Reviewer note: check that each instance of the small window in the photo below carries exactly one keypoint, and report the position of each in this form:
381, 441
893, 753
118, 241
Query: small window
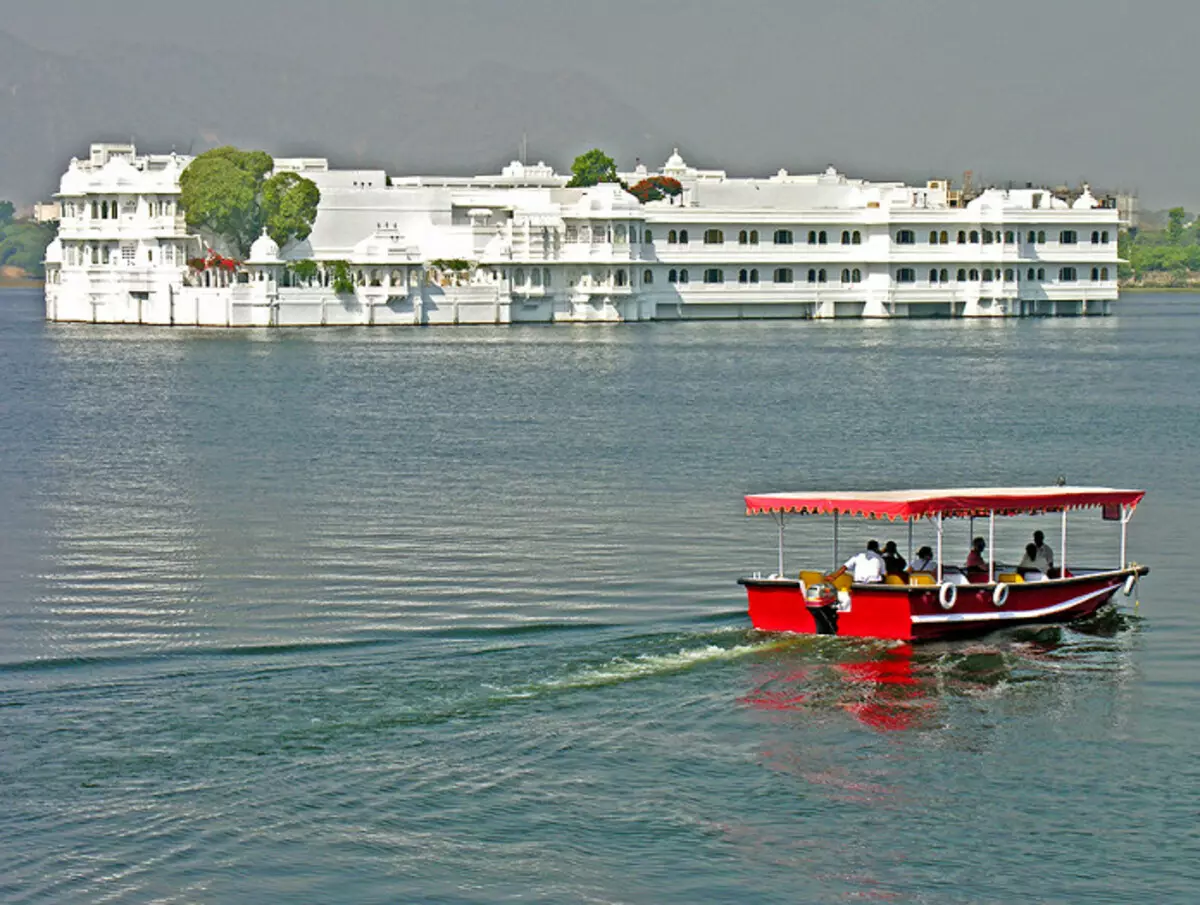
974, 237
944, 237
1031, 238
683, 275
1068, 237
1067, 274
856, 238
648, 237
944, 276
714, 237
962, 237
812, 275
713, 275
1009, 236
974, 275
988, 237
622, 280
519, 277
647, 277
845, 238
822, 238
812, 237
673, 276
743, 275
672, 238
933, 274
856, 275
1029, 274
906, 275
783, 237
1008, 274
743, 237
1104, 237
754, 275
846, 275
754, 237
1104, 273
683, 240
1041, 273
987, 274
784, 275
1095, 274
962, 275
821, 275
1041, 236
906, 237
933, 237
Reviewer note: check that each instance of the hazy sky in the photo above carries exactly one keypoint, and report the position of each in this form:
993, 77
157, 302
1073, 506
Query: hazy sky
1049, 90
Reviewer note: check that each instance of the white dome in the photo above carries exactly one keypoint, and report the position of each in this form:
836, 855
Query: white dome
675, 162
264, 250
54, 251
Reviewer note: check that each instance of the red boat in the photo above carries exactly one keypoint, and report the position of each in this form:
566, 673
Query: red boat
944, 601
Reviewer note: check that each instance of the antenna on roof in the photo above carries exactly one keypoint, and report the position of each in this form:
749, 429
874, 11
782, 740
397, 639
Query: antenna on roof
524, 146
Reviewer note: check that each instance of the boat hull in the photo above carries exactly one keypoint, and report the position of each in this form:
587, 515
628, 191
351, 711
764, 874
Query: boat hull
915, 612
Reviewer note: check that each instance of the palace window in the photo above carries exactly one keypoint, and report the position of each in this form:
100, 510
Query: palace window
784, 275
572, 234
743, 237
1104, 273
856, 238
783, 237
846, 275
683, 275
906, 275
1095, 274
714, 275
518, 277
1008, 275
647, 277
1029, 274
620, 235
1041, 236
743, 275
673, 276
647, 237
1067, 274
1009, 236
672, 237
812, 237
812, 275
906, 237
1104, 237
933, 276
944, 276
987, 274
128, 255
1068, 237
962, 237
714, 237
754, 237
988, 237
683, 237
1031, 238
944, 237
974, 237
1041, 273
933, 237
821, 275
962, 275
754, 275
845, 237
622, 279
546, 277
822, 238
856, 275
974, 275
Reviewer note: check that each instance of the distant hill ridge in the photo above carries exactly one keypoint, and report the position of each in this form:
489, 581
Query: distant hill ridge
53, 105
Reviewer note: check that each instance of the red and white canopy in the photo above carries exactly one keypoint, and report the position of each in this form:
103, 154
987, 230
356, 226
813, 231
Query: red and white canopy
955, 502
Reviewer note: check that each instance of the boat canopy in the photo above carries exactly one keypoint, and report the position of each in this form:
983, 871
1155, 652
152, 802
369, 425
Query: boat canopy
951, 502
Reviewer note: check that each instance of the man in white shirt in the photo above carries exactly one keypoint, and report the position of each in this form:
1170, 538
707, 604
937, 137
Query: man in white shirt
1045, 556
867, 567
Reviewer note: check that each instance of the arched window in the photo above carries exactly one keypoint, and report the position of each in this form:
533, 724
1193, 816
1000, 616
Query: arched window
812, 275
846, 275
1068, 237
988, 237
1041, 273
987, 274
962, 237
713, 275
962, 275
974, 275
95, 210
933, 276
648, 237
1104, 237
518, 276
845, 237
103, 210
1041, 237
812, 237
1029, 274
673, 276
1067, 274
1095, 274
1008, 274
743, 275
754, 275
856, 238
622, 279
714, 237
906, 275
822, 238
754, 237
933, 237
1095, 237
856, 275
783, 237
743, 237
784, 275
620, 234
821, 275
974, 237
1009, 236
683, 275
944, 276
683, 237
1104, 273
944, 237
906, 237
633, 236
647, 277
672, 237
1031, 238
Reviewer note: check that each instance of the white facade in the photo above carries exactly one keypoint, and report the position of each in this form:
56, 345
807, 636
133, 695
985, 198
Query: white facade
521, 247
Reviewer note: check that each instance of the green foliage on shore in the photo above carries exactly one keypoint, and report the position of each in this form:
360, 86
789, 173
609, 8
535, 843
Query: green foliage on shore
7, 211
592, 168
227, 193
23, 245
342, 281
1171, 253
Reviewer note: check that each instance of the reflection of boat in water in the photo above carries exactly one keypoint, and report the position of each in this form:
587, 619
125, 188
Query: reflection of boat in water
940, 603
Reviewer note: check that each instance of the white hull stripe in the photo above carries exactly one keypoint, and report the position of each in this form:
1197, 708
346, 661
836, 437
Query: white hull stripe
1013, 615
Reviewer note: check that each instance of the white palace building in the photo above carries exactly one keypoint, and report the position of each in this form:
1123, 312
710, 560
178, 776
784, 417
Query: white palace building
522, 247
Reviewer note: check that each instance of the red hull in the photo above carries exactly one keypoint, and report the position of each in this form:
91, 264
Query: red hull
913, 612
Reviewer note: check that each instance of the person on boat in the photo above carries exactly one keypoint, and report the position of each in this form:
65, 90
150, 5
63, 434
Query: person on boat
1030, 561
1045, 556
975, 563
893, 562
866, 567
924, 561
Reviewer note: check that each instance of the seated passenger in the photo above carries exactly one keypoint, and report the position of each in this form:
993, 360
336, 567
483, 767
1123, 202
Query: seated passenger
893, 562
976, 564
924, 561
1030, 562
867, 567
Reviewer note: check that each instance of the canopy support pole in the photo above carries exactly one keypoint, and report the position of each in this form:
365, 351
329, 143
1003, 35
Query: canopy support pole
1126, 514
910, 550
939, 549
835, 542
991, 545
780, 573
1062, 557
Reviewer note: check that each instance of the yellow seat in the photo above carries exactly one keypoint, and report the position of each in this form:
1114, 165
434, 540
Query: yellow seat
894, 579
1010, 578
922, 578
811, 577
843, 581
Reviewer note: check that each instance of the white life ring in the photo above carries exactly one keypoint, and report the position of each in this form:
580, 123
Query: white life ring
1130, 584
1000, 595
947, 595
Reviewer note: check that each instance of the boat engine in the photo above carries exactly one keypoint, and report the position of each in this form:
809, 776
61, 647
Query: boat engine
821, 600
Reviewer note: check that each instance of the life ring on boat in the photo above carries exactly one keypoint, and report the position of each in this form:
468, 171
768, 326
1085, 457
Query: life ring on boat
1000, 595
947, 595
1130, 584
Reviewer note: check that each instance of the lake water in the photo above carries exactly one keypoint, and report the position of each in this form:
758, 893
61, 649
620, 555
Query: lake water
450, 615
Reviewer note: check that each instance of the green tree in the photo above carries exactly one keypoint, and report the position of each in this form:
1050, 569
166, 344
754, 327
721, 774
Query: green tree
289, 206
593, 168
7, 210
226, 192
1175, 218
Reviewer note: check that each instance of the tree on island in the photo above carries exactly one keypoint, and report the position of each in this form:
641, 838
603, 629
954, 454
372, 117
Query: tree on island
655, 188
7, 212
591, 169
226, 192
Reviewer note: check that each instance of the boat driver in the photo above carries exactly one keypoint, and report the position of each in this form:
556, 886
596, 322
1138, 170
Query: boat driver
1045, 556
867, 567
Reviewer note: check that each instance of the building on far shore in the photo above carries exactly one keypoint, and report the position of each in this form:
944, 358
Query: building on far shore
520, 246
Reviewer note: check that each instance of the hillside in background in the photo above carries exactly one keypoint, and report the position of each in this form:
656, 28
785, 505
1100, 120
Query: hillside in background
52, 106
